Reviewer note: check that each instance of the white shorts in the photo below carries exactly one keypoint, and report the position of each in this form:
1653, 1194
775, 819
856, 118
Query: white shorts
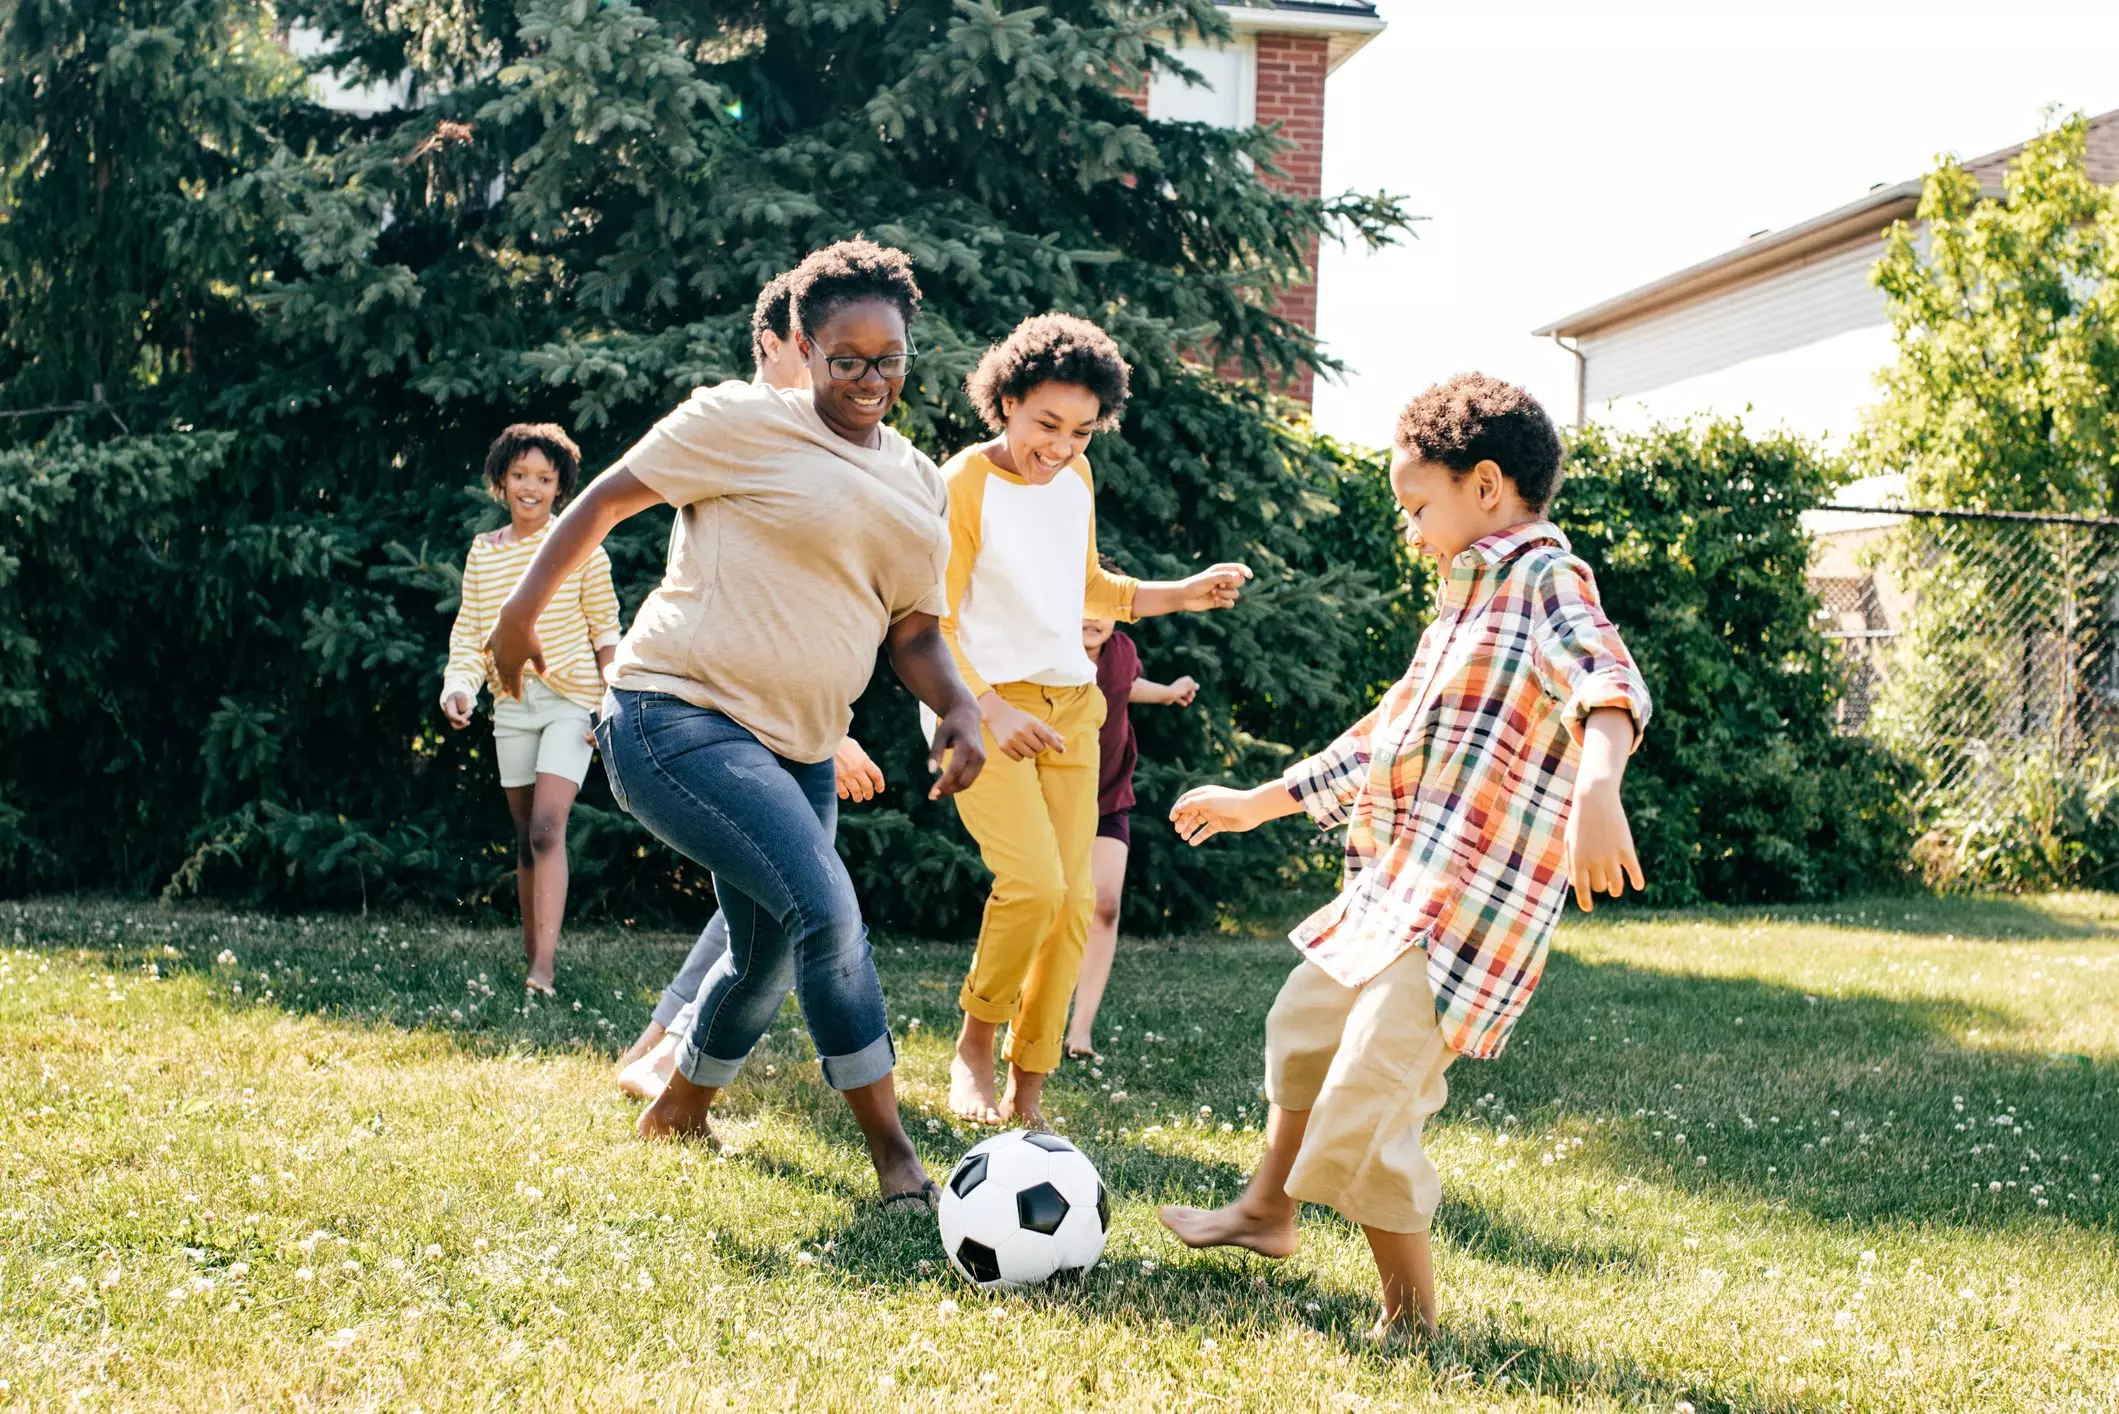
544, 734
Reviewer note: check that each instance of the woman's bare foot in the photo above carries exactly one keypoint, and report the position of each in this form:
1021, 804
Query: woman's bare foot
1020, 1103
1402, 1332
642, 1044
649, 1074
1268, 1232
539, 987
971, 1074
680, 1112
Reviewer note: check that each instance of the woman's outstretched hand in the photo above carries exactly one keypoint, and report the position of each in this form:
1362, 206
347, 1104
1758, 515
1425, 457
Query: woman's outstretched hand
512, 644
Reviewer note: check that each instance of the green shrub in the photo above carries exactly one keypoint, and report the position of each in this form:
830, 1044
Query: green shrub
2051, 823
1742, 790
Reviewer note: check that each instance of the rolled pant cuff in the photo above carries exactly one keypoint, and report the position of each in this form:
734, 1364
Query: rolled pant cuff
1042, 1058
979, 1009
667, 1009
700, 1068
864, 1067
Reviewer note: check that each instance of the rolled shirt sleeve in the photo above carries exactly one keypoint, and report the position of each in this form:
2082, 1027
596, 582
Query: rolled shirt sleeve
1325, 785
1580, 659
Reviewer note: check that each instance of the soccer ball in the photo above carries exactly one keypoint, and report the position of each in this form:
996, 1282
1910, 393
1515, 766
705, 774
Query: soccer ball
1021, 1208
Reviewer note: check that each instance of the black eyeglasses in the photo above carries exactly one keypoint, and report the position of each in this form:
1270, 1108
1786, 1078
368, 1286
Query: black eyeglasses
848, 368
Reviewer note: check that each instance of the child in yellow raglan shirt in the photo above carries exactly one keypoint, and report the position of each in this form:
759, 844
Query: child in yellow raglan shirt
1023, 573
541, 740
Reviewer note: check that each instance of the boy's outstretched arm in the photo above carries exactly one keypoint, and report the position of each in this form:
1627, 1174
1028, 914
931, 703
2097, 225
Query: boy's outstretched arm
1600, 854
1206, 811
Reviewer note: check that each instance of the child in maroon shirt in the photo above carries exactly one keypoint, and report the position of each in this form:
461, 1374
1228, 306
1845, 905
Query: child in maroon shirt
1118, 674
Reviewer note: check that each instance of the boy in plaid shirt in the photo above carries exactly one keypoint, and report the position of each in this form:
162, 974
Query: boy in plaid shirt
1482, 787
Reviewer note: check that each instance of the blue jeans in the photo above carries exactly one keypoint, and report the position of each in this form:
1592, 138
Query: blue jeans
707, 949
763, 825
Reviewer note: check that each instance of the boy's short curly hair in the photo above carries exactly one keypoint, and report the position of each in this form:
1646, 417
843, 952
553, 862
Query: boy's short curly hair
1051, 348
847, 272
1473, 418
773, 314
547, 437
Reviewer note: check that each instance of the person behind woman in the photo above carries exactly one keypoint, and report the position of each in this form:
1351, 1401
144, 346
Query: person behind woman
811, 535
647, 1064
1118, 678
1023, 572
541, 735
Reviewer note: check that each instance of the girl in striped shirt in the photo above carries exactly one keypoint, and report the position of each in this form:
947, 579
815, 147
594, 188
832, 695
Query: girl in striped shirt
542, 740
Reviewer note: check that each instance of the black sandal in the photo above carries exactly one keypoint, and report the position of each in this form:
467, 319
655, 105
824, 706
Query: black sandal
928, 1196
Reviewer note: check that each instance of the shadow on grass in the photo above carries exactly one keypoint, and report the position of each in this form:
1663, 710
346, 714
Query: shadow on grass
1967, 919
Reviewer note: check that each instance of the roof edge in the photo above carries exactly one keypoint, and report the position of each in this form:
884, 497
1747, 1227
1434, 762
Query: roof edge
1347, 31
1870, 215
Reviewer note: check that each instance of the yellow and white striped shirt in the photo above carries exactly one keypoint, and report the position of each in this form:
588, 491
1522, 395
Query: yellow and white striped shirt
582, 617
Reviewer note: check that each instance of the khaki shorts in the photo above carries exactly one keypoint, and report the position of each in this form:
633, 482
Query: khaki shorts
1367, 1063
544, 734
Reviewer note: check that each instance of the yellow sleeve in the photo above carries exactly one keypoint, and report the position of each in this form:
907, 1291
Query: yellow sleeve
967, 503
599, 601
466, 672
1109, 596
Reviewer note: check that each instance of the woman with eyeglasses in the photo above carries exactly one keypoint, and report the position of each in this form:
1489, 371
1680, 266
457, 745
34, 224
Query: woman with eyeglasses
808, 535
1023, 574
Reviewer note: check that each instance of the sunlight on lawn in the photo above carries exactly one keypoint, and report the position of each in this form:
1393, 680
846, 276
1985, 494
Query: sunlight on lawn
1856, 1156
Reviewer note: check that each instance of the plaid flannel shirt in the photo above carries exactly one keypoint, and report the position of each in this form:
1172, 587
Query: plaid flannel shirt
1455, 790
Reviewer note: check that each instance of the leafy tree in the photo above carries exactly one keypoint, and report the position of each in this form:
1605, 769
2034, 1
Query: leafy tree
309, 321
2005, 395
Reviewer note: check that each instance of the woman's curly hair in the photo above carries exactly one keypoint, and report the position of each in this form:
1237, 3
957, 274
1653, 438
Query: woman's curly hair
1474, 417
547, 437
1050, 348
847, 272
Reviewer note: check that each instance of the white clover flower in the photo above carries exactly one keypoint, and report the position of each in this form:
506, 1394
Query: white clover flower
225, 958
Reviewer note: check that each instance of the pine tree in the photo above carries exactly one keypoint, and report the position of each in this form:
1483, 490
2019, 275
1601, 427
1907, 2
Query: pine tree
567, 217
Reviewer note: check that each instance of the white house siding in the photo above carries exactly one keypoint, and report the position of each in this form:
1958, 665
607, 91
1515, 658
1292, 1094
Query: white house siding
1818, 391
1826, 295
1228, 99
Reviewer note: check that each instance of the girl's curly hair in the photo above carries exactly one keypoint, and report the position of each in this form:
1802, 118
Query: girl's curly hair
1050, 348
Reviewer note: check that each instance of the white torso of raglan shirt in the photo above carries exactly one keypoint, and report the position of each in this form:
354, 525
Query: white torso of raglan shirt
1021, 616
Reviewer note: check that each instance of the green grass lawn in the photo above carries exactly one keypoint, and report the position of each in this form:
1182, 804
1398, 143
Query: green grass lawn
1863, 1157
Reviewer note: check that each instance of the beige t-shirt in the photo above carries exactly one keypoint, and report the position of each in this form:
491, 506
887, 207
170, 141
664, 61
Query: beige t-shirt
794, 551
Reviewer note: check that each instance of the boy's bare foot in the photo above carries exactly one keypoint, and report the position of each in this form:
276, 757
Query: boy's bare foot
1020, 1103
1391, 1334
1269, 1234
649, 1074
642, 1044
680, 1112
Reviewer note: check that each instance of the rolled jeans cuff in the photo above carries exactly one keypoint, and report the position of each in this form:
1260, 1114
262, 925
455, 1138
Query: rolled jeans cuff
849, 1072
864, 1067
668, 1009
700, 1068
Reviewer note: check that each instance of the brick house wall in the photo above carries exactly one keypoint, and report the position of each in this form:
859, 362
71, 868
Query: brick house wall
1290, 88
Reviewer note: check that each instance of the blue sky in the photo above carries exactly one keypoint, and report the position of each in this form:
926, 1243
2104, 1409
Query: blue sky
1564, 153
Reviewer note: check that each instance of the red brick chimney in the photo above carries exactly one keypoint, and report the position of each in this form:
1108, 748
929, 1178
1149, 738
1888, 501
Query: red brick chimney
1274, 75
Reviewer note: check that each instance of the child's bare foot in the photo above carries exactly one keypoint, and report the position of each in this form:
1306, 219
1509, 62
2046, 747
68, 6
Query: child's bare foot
642, 1044
535, 986
1020, 1103
680, 1112
649, 1074
1269, 1233
1391, 1334
971, 1074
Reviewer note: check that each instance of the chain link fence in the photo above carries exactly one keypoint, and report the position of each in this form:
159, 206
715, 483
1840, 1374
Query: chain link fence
1977, 644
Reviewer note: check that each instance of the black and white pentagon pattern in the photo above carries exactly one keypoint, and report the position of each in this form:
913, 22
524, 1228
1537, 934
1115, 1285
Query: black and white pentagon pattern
1020, 1208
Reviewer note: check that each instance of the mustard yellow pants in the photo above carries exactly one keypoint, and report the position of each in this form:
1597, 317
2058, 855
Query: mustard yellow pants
1035, 822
